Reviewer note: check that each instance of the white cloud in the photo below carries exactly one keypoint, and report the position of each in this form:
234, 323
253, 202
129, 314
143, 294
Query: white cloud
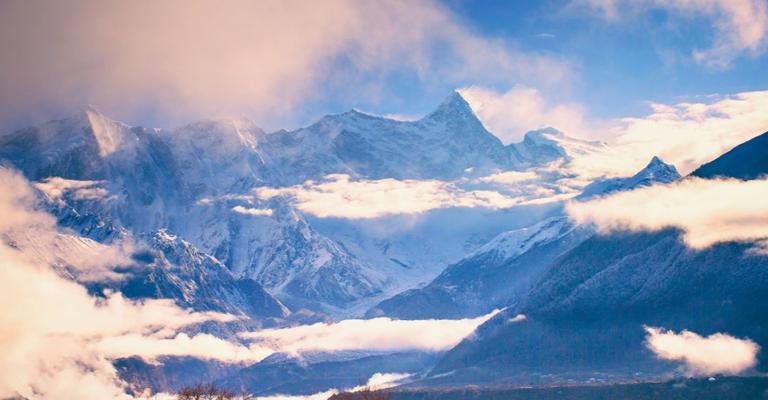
690, 134
685, 134
510, 177
708, 211
741, 26
254, 58
38, 240
252, 211
50, 327
59, 341
382, 334
511, 114
202, 346
718, 353
56, 187
338, 196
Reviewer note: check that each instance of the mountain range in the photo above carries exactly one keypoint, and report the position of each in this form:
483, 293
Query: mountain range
585, 314
186, 200
196, 183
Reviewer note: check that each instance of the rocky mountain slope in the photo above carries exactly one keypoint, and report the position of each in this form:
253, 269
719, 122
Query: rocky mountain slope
585, 316
502, 271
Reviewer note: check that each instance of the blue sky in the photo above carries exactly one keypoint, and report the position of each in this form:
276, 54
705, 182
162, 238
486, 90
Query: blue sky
285, 64
619, 64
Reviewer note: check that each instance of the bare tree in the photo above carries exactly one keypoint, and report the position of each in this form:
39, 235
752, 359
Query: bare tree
206, 392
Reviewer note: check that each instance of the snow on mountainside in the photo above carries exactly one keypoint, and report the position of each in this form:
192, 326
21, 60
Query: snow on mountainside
492, 277
155, 179
657, 171
501, 272
546, 145
197, 181
585, 316
587, 312
178, 270
441, 145
162, 265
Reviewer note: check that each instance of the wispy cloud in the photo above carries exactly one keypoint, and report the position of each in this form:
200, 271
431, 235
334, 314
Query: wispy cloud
383, 334
740, 26
718, 353
51, 326
254, 58
252, 211
509, 115
36, 238
55, 187
341, 197
707, 211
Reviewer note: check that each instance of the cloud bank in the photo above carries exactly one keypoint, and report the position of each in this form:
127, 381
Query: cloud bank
707, 211
339, 196
177, 59
50, 327
718, 353
685, 134
382, 334
252, 211
511, 114
689, 134
52, 330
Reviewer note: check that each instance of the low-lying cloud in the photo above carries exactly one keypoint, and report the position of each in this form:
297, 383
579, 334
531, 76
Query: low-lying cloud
174, 60
707, 211
264, 212
718, 353
383, 334
339, 196
60, 341
56, 187
37, 239
51, 330
50, 327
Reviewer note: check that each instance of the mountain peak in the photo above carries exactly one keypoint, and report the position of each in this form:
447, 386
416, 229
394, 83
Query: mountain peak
657, 171
109, 134
454, 107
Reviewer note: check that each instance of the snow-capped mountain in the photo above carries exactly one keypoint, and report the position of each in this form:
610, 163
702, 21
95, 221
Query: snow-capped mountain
585, 316
500, 272
196, 182
443, 145
491, 277
146, 180
657, 171
549, 144
177, 270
